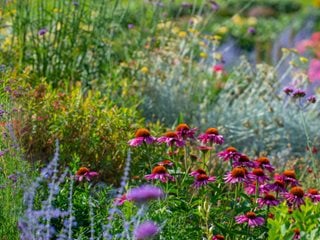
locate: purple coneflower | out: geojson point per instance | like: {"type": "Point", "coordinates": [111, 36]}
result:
{"type": "Point", "coordinates": [268, 200]}
{"type": "Point", "coordinates": [313, 194]}
{"type": "Point", "coordinates": [159, 172]}
{"type": "Point", "coordinates": [142, 136]}
{"type": "Point", "coordinates": [230, 153]}
{"type": "Point", "coordinates": [146, 230]}
{"type": "Point", "coordinates": [238, 174]}
{"type": "Point", "coordinates": [202, 180]}
{"type": "Point", "coordinates": [296, 235]}
{"type": "Point", "coordinates": [251, 188]}
{"type": "Point", "coordinates": [144, 194]}
{"type": "Point", "coordinates": [218, 237]}
{"type": "Point", "coordinates": [165, 163]}
{"type": "Point", "coordinates": [119, 201]}
{"type": "Point", "coordinates": [197, 172]}
{"type": "Point", "coordinates": [295, 197]}
{"type": "Point", "coordinates": [184, 131]}
{"type": "Point", "coordinates": [289, 177]}
{"type": "Point", "coordinates": [211, 136]}
{"type": "Point", "coordinates": [85, 173]}
{"type": "Point", "coordinates": [258, 175]}
{"type": "Point", "coordinates": [171, 138]}
{"type": "Point", "coordinates": [250, 218]}
{"type": "Point", "coordinates": [264, 163]}
{"type": "Point", "coordinates": [243, 161]}
{"type": "Point", "coordinates": [277, 186]}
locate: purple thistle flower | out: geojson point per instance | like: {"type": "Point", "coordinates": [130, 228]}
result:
{"type": "Point", "coordinates": [142, 136]}
{"type": "Point", "coordinates": [171, 138]}
{"type": "Point", "coordinates": [252, 31]}
{"type": "Point", "coordinates": [146, 230]}
{"type": "Point", "coordinates": [202, 180]}
{"type": "Point", "coordinates": [144, 194]}
{"type": "Point", "coordinates": [211, 136]}
{"type": "Point", "coordinates": [159, 172]}
{"type": "Point", "coordinates": [250, 218]}
{"type": "Point", "coordinates": [230, 153]}
{"type": "Point", "coordinates": [85, 173]}
{"type": "Point", "coordinates": [312, 99]}
{"type": "Point", "coordinates": [42, 32]}
{"type": "Point", "coordinates": [268, 200]}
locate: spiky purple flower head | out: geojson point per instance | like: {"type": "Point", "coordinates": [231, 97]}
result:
{"type": "Point", "coordinates": [144, 193]}
{"type": "Point", "coordinates": [146, 230]}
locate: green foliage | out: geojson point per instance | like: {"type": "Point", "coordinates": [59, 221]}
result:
{"type": "Point", "coordinates": [306, 220]}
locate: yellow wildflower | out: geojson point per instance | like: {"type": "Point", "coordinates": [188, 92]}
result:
{"type": "Point", "coordinates": [222, 30]}
{"type": "Point", "coordinates": [252, 21]}
{"type": "Point", "coordinates": [303, 59]}
{"type": "Point", "coordinates": [237, 20]}
{"type": "Point", "coordinates": [203, 55]}
{"type": "Point", "coordinates": [182, 34]}
{"type": "Point", "coordinates": [144, 70]}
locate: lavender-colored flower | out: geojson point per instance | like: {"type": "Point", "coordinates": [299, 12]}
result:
{"type": "Point", "coordinates": [252, 31]}
{"type": "Point", "coordinates": [142, 136]}
{"type": "Point", "coordinates": [238, 174]}
{"type": "Point", "coordinates": [144, 194]}
{"type": "Point", "coordinates": [202, 180]}
{"type": "Point", "coordinates": [214, 6]}
{"type": "Point", "coordinates": [211, 136]}
{"type": "Point", "coordinates": [218, 237]}
{"type": "Point", "coordinates": [313, 194]}
{"type": "Point", "coordinates": [230, 153]}
{"type": "Point", "coordinates": [288, 90]}
{"type": "Point", "coordinates": [250, 218]}
{"type": "Point", "coordinates": [130, 26]}
{"type": "Point", "coordinates": [258, 175]}
{"type": "Point", "coordinates": [312, 99]}
{"type": "Point", "coordinates": [268, 200]}
{"type": "Point", "coordinates": [159, 172]}
{"type": "Point", "coordinates": [42, 32]}
{"type": "Point", "coordinates": [295, 197]}
{"type": "Point", "coordinates": [264, 163]}
{"type": "Point", "coordinates": [85, 173]}
{"type": "Point", "coordinates": [171, 139]}
{"type": "Point", "coordinates": [146, 230]}
{"type": "Point", "coordinates": [185, 132]}
{"type": "Point", "coordinates": [298, 93]}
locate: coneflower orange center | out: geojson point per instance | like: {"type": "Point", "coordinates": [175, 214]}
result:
{"type": "Point", "coordinates": [201, 171]}
{"type": "Point", "coordinates": [82, 171]}
{"type": "Point", "coordinates": [182, 127]}
{"type": "Point", "coordinates": [202, 177]}
{"type": "Point", "coordinates": [171, 134]}
{"type": "Point", "coordinates": [296, 231]}
{"type": "Point", "coordinates": [290, 174]}
{"type": "Point", "coordinates": [159, 170]}
{"type": "Point", "coordinates": [258, 172]}
{"type": "Point", "coordinates": [231, 149]}
{"type": "Point", "coordinates": [142, 132]}
{"type": "Point", "coordinates": [212, 131]}
{"type": "Point", "coordinates": [238, 172]}
{"type": "Point", "coordinates": [263, 160]}
{"type": "Point", "coordinates": [313, 191]}
{"type": "Point", "coordinates": [297, 191]}
{"type": "Point", "coordinates": [251, 215]}
{"type": "Point", "coordinates": [269, 197]}
{"type": "Point", "coordinates": [244, 158]}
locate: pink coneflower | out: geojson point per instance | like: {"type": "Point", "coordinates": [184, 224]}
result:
{"type": "Point", "coordinates": [277, 186]}
{"type": "Point", "coordinates": [289, 177]}
{"type": "Point", "coordinates": [142, 136]}
{"type": "Point", "coordinates": [159, 172]}
{"type": "Point", "coordinates": [204, 149]}
{"type": "Point", "coordinates": [251, 188]}
{"type": "Point", "coordinates": [313, 194]}
{"type": "Point", "coordinates": [296, 235]}
{"type": "Point", "coordinates": [197, 172]}
{"type": "Point", "coordinates": [120, 200]}
{"type": "Point", "coordinates": [202, 180]}
{"type": "Point", "coordinates": [171, 138]}
{"type": "Point", "coordinates": [146, 230]}
{"type": "Point", "coordinates": [211, 136]}
{"type": "Point", "coordinates": [230, 153]}
{"type": "Point", "coordinates": [165, 163]}
{"type": "Point", "coordinates": [218, 237]}
{"type": "Point", "coordinates": [144, 194]}
{"type": "Point", "coordinates": [85, 173]}
{"type": "Point", "coordinates": [184, 131]}
{"type": "Point", "coordinates": [258, 175]}
{"type": "Point", "coordinates": [264, 163]}
{"type": "Point", "coordinates": [243, 161]}
{"type": "Point", "coordinates": [238, 174]}
{"type": "Point", "coordinates": [295, 197]}
{"type": "Point", "coordinates": [250, 218]}
{"type": "Point", "coordinates": [268, 200]}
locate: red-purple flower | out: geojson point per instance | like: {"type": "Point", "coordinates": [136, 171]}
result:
{"type": "Point", "coordinates": [251, 188]}
{"type": "Point", "coordinates": [237, 174]}
{"type": "Point", "coordinates": [171, 138]}
{"type": "Point", "coordinates": [289, 177]}
{"type": "Point", "coordinates": [277, 186]}
{"type": "Point", "coordinates": [295, 197]}
{"type": "Point", "coordinates": [218, 237]}
{"type": "Point", "coordinates": [142, 136]}
{"type": "Point", "coordinates": [298, 93]}
{"type": "Point", "coordinates": [144, 194]}
{"type": "Point", "coordinates": [264, 163]}
{"type": "Point", "coordinates": [197, 172]}
{"type": "Point", "coordinates": [211, 136]}
{"type": "Point", "coordinates": [85, 173]}
{"type": "Point", "coordinates": [160, 172]}
{"type": "Point", "coordinates": [146, 230]}
{"type": "Point", "coordinates": [184, 131]}
{"type": "Point", "coordinates": [202, 180]}
{"type": "Point", "coordinates": [288, 90]}
{"type": "Point", "coordinates": [119, 201]}
{"type": "Point", "coordinates": [258, 175]}
{"type": "Point", "coordinates": [230, 153]}
{"type": "Point", "coordinates": [250, 218]}
{"type": "Point", "coordinates": [313, 194]}
{"type": "Point", "coordinates": [268, 200]}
